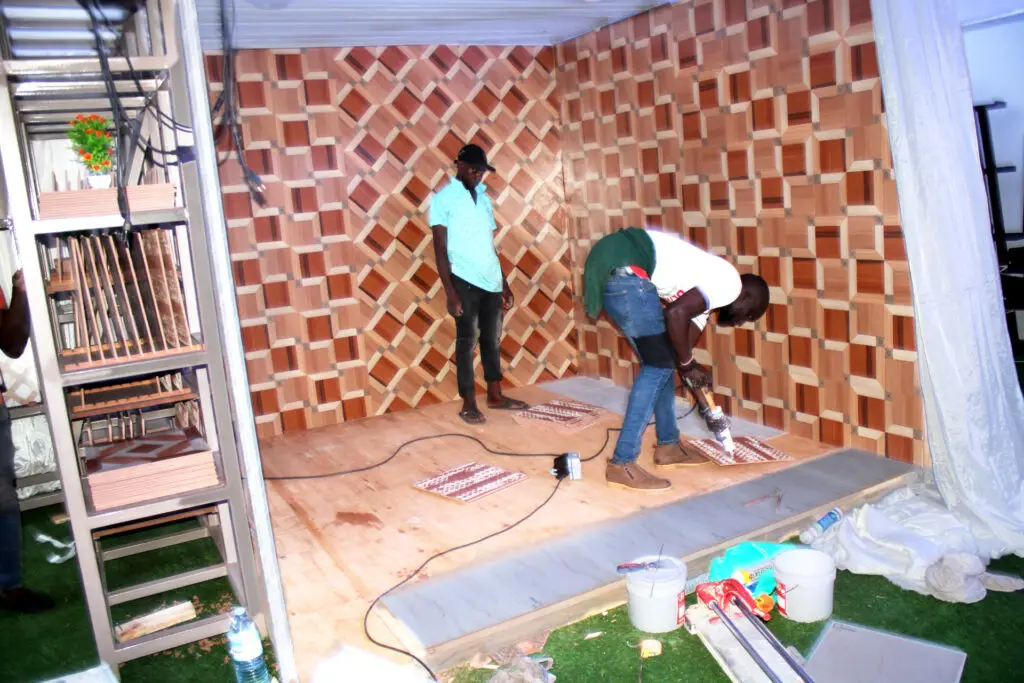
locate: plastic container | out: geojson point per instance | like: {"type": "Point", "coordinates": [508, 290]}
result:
{"type": "Point", "coordinates": [657, 597]}
{"type": "Point", "coordinates": [246, 649]}
{"type": "Point", "coordinates": [818, 528]}
{"type": "Point", "coordinates": [805, 581]}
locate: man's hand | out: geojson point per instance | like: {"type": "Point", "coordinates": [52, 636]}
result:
{"type": "Point", "coordinates": [18, 282]}
{"type": "Point", "coordinates": [508, 299]}
{"type": "Point", "coordinates": [695, 375]}
{"type": "Point", "coordinates": [454, 303]}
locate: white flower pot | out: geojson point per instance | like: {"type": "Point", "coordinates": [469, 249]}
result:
{"type": "Point", "coordinates": [99, 182]}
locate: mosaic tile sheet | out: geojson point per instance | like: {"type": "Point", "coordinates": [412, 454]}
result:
{"type": "Point", "coordinates": [563, 414]}
{"type": "Point", "coordinates": [756, 128]}
{"type": "Point", "coordinates": [748, 451]}
{"type": "Point", "coordinates": [470, 482]}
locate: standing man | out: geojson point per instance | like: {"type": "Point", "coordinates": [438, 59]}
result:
{"type": "Point", "coordinates": [14, 331]}
{"type": "Point", "coordinates": [659, 289]}
{"type": "Point", "coordinates": [462, 222]}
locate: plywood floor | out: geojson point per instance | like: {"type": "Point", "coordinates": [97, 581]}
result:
{"type": "Point", "coordinates": [344, 540]}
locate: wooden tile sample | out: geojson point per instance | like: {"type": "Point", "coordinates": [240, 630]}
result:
{"type": "Point", "coordinates": [470, 482]}
{"type": "Point", "coordinates": [562, 414]}
{"type": "Point", "coordinates": [748, 451]}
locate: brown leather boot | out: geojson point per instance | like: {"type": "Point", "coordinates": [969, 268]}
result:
{"type": "Point", "coordinates": [674, 455]}
{"type": "Point", "coordinates": [635, 478]}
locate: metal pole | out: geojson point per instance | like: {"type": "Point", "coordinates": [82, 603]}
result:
{"type": "Point", "coordinates": [234, 353]}
{"type": "Point", "coordinates": [50, 380]}
{"type": "Point", "coordinates": [995, 202]}
{"type": "Point", "coordinates": [745, 643]}
{"type": "Point", "coordinates": [773, 641]}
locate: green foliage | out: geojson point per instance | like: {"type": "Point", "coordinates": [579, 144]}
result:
{"type": "Point", "coordinates": [92, 142]}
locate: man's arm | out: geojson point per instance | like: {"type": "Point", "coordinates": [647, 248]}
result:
{"type": "Point", "coordinates": [444, 269]}
{"type": "Point", "coordinates": [14, 321]}
{"type": "Point", "coordinates": [684, 333]}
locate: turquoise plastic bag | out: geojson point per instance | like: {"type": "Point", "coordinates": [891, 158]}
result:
{"type": "Point", "coordinates": [754, 559]}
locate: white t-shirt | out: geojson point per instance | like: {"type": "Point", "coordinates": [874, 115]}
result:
{"type": "Point", "coordinates": [680, 266]}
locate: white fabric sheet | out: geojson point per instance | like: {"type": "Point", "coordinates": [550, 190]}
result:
{"type": "Point", "coordinates": [973, 406]}
{"type": "Point", "coordinates": [912, 539]}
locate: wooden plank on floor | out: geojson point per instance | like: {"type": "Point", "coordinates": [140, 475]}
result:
{"type": "Point", "coordinates": [440, 616]}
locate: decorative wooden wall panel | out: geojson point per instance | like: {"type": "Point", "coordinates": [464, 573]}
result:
{"type": "Point", "coordinates": [756, 128]}
{"type": "Point", "coordinates": [342, 311]}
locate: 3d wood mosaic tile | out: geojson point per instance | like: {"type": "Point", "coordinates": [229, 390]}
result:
{"type": "Point", "coordinates": [562, 414]}
{"type": "Point", "coordinates": [756, 128]}
{"type": "Point", "coordinates": [342, 311]}
{"type": "Point", "coordinates": [470, 482]}
{"type": "Point", "coordinates": [747, 451]}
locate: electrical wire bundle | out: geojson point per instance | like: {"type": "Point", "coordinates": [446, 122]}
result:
{"type": "Point", "coordinates": [226, 106]}
{"type": "Point", "coordinates": [128, 128]}
{"type": "Point", "coordinates": [125, 125]}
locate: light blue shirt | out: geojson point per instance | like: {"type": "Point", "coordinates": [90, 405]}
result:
{"type": "Point", "coordinates": [471, 230]}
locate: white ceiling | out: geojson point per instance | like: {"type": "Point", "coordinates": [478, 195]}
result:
{"type": "Point", "coordinates": [344, 23]}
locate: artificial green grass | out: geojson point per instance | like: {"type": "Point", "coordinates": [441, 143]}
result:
{"type": "Point", "coordinates": [43, 646]}
{"type": "Point", "coordinates": [989, 632]}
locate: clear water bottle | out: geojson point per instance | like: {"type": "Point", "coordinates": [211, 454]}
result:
{"type": "Point", "coordinates": [819, 527]}
{"type": "Point", "coordinates": [246, 649]}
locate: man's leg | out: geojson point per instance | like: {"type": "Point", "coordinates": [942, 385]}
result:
{"type": "Point", "coordinates": [467, 330]}
{"type": "Point", "coordinates": [669, 452]}
{"type": "Point", "coordinates": [12, 595]}
{"type": "Point", "coordinates": [634, 306]}
{"type": "Point", "coordinates": [648, 386]}
{"type": "Point", "coordinates": [491, 313]}
{"type": "Point", "coordinates": [665, 422]}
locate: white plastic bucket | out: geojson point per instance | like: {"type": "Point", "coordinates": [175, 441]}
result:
{"type": "Point", "coordinates": [657, 597]}
{"type": "Point", "coordinates": [805, 581]}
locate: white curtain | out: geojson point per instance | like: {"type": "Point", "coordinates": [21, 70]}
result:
{"type": "Point", "coordinates": [973, 406]}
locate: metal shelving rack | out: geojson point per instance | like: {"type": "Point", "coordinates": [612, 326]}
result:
{"type": "Point", "coordinates": [38, 94]}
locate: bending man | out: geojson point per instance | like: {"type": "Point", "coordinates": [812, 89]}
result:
{"type": "Point", "coordinates": [660, 289]}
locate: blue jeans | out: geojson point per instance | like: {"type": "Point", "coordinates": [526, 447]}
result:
{"type": "Point", "coordinates": [633, 304]}
{"type": "Point", "coordinates": [10, 513]}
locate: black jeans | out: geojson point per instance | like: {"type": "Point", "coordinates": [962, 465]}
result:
{"type": "Point", "coordinates": [481, 318]}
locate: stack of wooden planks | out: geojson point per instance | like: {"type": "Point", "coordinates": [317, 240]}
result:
{"type": "Point", "coordinates": [136, 470]}
{"type": "Point", "coordinates": [115, 300]}
{"type": "Point", "coordinates": [79, 203]}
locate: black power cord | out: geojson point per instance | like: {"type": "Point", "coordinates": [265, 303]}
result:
{"type": "Point", "coordinates": [366, 616]}
{"type": "Point", "coordinates": [449, 435]}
